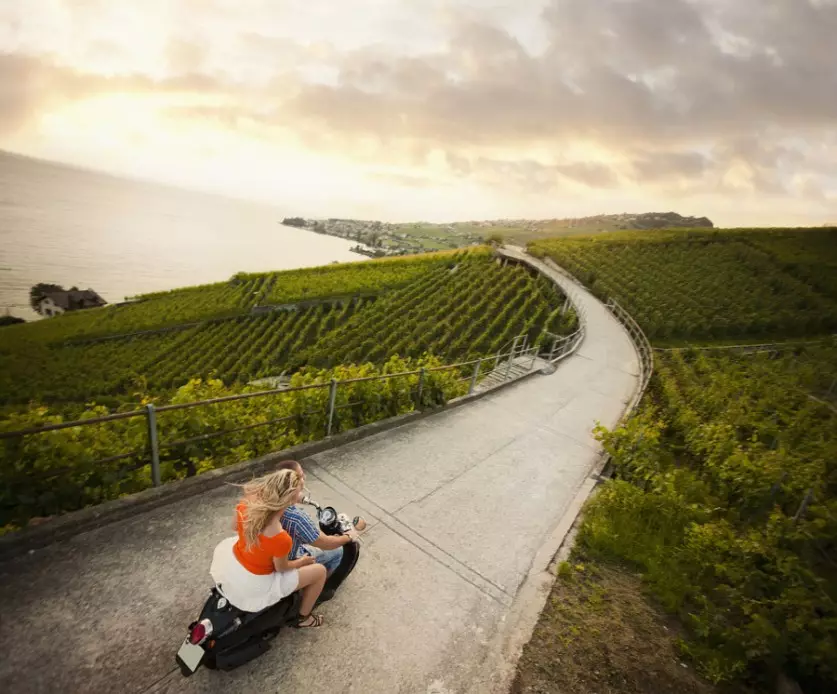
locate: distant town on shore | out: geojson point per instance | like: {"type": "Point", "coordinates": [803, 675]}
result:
{"type": "Point", "coordinates": [376, 239]}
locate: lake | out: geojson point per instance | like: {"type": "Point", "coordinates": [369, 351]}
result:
{"type": "Point", "coordinates": [121, 237]}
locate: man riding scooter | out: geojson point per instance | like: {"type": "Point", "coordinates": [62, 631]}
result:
{"type": "Point", "coordinates": [309, 541]}
{"type": "Point", "coordinates": [262, 592]}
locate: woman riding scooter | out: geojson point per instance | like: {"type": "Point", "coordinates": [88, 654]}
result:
{"type": "Point", "coordinates": [252, 570]}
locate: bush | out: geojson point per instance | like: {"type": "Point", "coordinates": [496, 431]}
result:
{"type": "Point", "coordinates": [57, 471]}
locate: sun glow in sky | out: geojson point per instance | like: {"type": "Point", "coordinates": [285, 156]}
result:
{"type": "Point", "coordinates": [439, 109]}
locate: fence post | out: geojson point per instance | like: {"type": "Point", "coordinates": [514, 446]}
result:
{"type": "Point", "coordinates": [332, 396]}
{"type": "Point", "coordinates": [474, 376]}
{"type": "Point", "coordinates": [511, 358]}
{"type": "Point", "coordinates": [420, 388]}
{"type": "Point", "coordinates": [153, 444]}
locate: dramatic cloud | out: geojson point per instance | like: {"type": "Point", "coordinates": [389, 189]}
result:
{"type": "Point", "coordinates": [556, 108]}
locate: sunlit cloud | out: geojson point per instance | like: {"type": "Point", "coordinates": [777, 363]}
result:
{"type": "Point", "coordinates": [440, 110]}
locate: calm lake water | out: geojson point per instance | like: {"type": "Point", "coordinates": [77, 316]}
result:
{"type": "Point", "coordinates": [121, 237]}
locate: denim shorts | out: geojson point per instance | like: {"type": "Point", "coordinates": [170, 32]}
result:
{"type": "Point", "coordinates": [329, 558]}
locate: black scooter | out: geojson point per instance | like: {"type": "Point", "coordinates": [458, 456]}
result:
{"type": "Point", "coordinates": [224, 637]}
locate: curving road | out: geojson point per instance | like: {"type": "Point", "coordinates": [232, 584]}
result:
{"type": "Point", "coordinates": [459, 504]}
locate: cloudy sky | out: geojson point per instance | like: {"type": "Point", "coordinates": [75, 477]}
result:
{"type": "Point", "coordinates": [440, 109]}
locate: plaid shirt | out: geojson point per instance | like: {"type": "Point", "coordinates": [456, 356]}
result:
{"type": "Point", "coordinates": [300, 527]}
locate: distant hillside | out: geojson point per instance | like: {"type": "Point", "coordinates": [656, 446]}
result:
{"type": "Point", "coordinates": [645, 220]}
{"type": "Point", "coordinates": [385, 238]}
{"type": "Point", "coordinates": [528, 230]}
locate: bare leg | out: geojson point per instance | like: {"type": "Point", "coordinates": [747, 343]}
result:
{"type": "Point", "coordinates": [311, 579]}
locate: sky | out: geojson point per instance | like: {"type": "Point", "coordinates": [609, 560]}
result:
{"type": "Point", "coordinates": [440, 110]}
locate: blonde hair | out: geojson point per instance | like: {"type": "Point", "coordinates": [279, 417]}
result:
{"type": "Point", "coordinates": [265, 496]}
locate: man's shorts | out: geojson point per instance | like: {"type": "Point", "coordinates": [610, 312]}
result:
{"type": "Point", "coordinates": [330, 558]}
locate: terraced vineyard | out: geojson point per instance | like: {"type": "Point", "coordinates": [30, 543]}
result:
{"type": "Point", "coordinates": [235, 297]}
{"type": "Point", "coordinates": [355, 279]}
{"type": "Point", "coordinates": [709, 284]}
{"type": "Point", "coordinates": [451, 305]}
{"type": "Point", "coordinates": [460, 314]}
{"type": "Point", "coordinates": [76, 373]}
{"type": "Point", "coordinates": [244, 349]}
{"type": "Point", "coordinates": [726, 491]}
{"type": "Point", "coordinates": [810, 257]}
{"type": "Point", "coordinates": [731, 513]}
{"type": "Point", "coordinates": [439, 309]}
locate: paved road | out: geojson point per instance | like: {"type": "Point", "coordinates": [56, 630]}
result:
{"type": "Point", "coordinates": [458, 504]}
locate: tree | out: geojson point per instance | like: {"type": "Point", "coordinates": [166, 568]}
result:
{"type": "Point", "coordinates": [10, 320]}
{"type": "Point", "coordinates": [39, 291]}
{"type": "Point", "coordinates": [495, 239]}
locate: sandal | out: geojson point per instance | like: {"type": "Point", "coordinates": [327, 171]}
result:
{"type": "Point", "coordinates": [309, 621]}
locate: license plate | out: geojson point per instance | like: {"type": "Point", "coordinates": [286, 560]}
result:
{"type": "Point", "coordinates": [190, 655]}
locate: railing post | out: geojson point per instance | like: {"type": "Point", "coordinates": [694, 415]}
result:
{"type": "Point", "coordinates": [153, 444]}
{"type": "Point", "coordinates": [420, 388]}
{"type": "Point", "coordinates": [332, 397]}
{"type": "Point", "coordinates": [552, 351]}
{"type": "Point", "coordinates": [565, 306]}
{"type": "Point", "coordinates": [474, 376]}
{"type": "Point", "coordinates": [534, 351]}
{"type": "Point", "coordinates": [511, 358]}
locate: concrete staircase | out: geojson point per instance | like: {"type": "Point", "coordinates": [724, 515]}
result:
{"type": "Point", "coordinates": [505, 371]}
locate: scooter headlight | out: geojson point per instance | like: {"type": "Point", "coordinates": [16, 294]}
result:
{"type": "Point", "coordinates": [328, 517]}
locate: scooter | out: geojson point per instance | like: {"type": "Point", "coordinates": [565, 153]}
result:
{"type": "Point", "coordinates": [225, 637]}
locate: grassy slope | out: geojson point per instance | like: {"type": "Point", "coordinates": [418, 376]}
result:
{"type": "Point", "coordinates": [599, 633]}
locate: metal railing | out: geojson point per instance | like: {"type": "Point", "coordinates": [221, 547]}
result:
{"type": "Point", "coordinates": [516, 346]}
{"type": "Point", "coordinates": [643, 348]}
{"type": "Point", "coordinates": [562, 345]}
{"type": "Point", "coordinates": [418, 380]}
{"type": "Point", "coordinates": [638, 337]}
